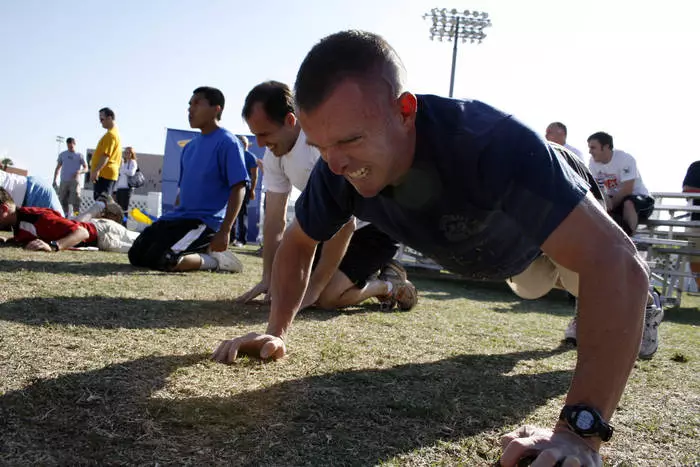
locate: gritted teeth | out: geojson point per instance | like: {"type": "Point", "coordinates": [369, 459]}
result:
{"type": "Point", "coordinates": [359, 173]}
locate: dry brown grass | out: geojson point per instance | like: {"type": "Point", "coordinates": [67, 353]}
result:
{"type": "Point", "coordinates": [104, 364]}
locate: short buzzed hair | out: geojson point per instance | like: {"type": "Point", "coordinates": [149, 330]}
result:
{"type": "Point", "coordinates": [559, 125]}
{"type": "Point", "coordinates": [213, 96]}
{"type": "Point", "coordinates": [108, 112]}
{"type": "Point", "coordinates": [343, 55]}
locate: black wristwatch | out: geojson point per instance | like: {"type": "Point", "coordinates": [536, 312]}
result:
{"type": "Point", "coordinates": [586, 421]}
{"type": "Point", "coordinates": [54, 245]}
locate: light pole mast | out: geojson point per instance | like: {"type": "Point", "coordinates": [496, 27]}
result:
{"type": "Point", "coordinates": [454, 25]}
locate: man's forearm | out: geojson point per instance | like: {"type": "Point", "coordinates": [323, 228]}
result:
{"type": "Point", "coordinates": [72, 239]}
{"type": "Point", "coordinates": [55, 173]}
{"type": "Point", "coordinates": [234, 205]}
{"type": "Point", "coordinates": [272, 236]}
{"type": "Point", "coordinates": [609, 328]}
{"type": "Point", "coordinates": [254, 180]}
{"type": "Point", "coordinates": [100, 164]}
{"type": "Point", "coordinates": [331, 255]}
{"type": "Point", "coordinates": [290, 277]}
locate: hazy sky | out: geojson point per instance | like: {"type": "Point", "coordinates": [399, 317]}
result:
{"type": "Point", "coordinates": [626, 67]}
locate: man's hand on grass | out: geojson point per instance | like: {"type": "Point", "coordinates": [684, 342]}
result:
{"type": "Point", "coordinates": [263, 346]}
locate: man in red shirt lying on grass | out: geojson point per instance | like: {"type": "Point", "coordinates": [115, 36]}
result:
{"type": "Point", "coordinates": [43, 229]}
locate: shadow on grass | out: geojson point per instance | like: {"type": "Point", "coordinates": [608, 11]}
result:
{"type": "Point", "coordinates": [131, 313]}
{"type": "Point", "coordinates": [136, 313]}
{"type": "Point", "coordinates": [69, 267]}
{"type": "Point", "coordinates": [683, 315]}
{"type": "Point", "coordinates": [347, 418]}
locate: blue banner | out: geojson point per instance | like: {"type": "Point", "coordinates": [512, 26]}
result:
{"type": "Point", "coordinates": [175, 140]}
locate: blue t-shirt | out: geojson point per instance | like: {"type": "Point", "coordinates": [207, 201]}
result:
{"type": "Point", "coordinates": [250, 161]}
{"type": "Point", "coordinates": [482, 195]}
{"type": "Point", "coordinates": [210, 166]}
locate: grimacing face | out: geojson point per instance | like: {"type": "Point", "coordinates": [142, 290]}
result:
{"type": "Point", "coordinates": [278, 138]}
{"type": "Point", "coordinates": [364, 134]}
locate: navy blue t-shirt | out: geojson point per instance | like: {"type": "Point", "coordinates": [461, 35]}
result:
{"type": "Point", "coordinates": [210, 166]}
{"type": "Point", "coordinates": [692, 179]}
{"type": "Point", "coordinates": [482, 195]}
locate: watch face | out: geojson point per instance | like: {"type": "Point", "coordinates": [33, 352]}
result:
{"type": "Point", "coordinates": [584, 420]}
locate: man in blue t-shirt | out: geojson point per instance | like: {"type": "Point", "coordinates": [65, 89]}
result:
{"type": "Point", "coordinates": [196, 234]}
{"type": "Point", "coordinates": [240, 236]}
{"type": "Point", "coordinates": [480, 193]}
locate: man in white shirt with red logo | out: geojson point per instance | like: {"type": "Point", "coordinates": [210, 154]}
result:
{"type": "Point", "coordinates": [628, 199]}
{"type": "Point", "coordinates": [344, 267]}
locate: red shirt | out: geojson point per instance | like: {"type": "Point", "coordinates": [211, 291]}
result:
{"type": "Point", "coordinates": [47, 225]}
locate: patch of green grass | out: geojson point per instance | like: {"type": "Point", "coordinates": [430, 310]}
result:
{"type": "Point", "coordinates": [101, 363]}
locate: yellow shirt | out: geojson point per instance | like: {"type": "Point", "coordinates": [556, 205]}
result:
{"type": "Point", "coordinates": [111, 145]}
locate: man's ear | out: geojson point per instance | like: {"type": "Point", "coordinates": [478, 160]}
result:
{"type": "Point", "coordinates": [290, 119]}
{"type": "Point", "coordinates": [408, 106]}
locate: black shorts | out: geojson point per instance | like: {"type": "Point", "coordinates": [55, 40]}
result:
{"type": "Point", "coordinates": [369, 250]}
{"type": "Point", "coordinates": [162, 244]}
{"type": "Point", "coordinates": [103, 187]}
{"type": "Point", "coordinates": [644, 205]}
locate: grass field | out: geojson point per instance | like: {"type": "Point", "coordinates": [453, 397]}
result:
{"type": "Point", "coordinates": [104, 364]}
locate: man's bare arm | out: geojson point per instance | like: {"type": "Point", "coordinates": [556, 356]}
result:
{"type": "Point", "coordinates": [234, 205]}
{"type": "Point", "coordinates": [290, 276]}
{"type": "Point", "coordinates": [55, 172]}
{"type": "Point", "coordinates": [331, 255]}
{"type": "Point", "coordinates": [273, 228]}
{"type": "Point", "coordinates": [253, 179]}
{"type": "Point", "coordinates": [626, 189]}
{"type": "Point", "coordinates": [99, 164]}
{"type": "Point", "coordinates": [613, 287]}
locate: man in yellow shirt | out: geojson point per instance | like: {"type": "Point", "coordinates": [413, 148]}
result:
{"type": "Point", "coordinates": [105, 162]}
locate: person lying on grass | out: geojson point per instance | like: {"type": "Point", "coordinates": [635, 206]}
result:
{"type": "Point", "coordinates": [43, 229]}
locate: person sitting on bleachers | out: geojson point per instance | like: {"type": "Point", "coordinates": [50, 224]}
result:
{"type": "Point", "coordinates": [628, 199]}
{"type": "Point", "coordinates": [691, 184]}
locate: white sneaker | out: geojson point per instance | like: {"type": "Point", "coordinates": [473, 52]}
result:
{"type": "Point", "coordinates": [227, 261]}
{"type": "Point", "coordinates": [570, 333]}
{"type": "Point", "coordinates": [650, 338]}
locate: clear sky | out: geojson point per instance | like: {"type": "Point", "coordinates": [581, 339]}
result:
{"type": "Point", "coordinates": [626, 67]}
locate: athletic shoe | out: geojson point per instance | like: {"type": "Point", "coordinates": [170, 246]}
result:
{"type": "Point", "coordinates": [393, 269]}
{"type": "Point", "coordinates": [227, 261]}
{"type": "Point", "coordinates": [653, 316]}
{"type": "Point", "coordinates": [395, 273]}
{"type": "Point", "coordinates": [570, 333]}
{"type": "Point", "coordinates": [403, 294]}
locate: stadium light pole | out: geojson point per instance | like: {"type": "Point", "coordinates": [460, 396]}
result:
{"type": "Point", "coordinates": [59, 141]}
{"type": "Point", "coordinates": [454, 25]}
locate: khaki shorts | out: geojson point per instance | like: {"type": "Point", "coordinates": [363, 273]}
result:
{"type": "Point", "coordinates": [112, 236]}
{"type": "Point", "coordinates": [542, 276]}
{"type": "Point", "coordinates": [69, 193]}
